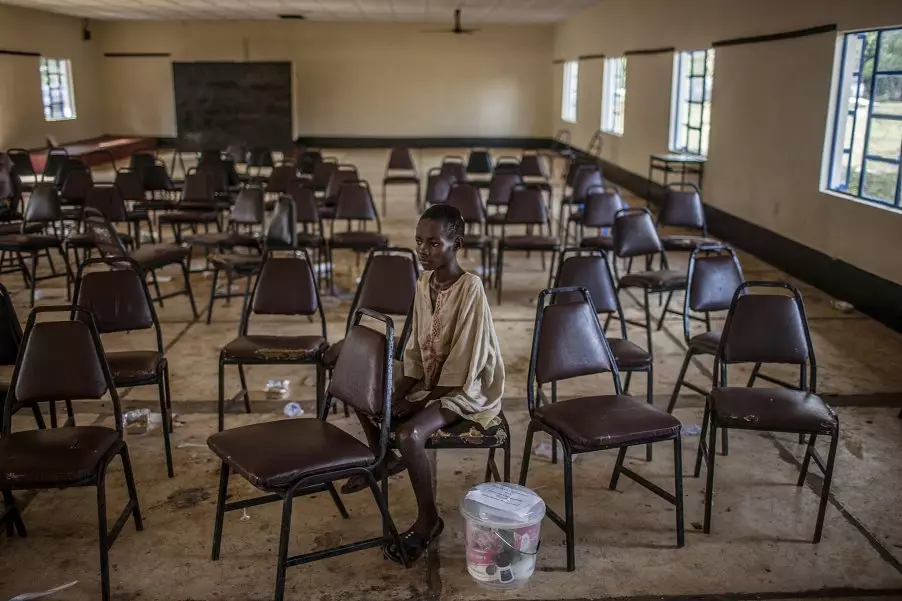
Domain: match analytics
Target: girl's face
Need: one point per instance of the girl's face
(434, 249)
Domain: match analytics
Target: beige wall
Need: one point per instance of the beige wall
(350, 79)
(769, 110)
(22, 121)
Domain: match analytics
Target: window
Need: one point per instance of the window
(691, 115)
(613, 95)
(866, 148)
(56, 89)
(571, 87)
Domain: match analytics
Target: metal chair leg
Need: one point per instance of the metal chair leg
(615, 475)
(709, 488)
(524, 464)
(678, 490)
(220, 510)
(825, 487)
(568, 510)
(213, 279)
(221, 404)
(650, 399)
(165, 413)
(243, 380)
(188, 291)
(102, 541)
(282, 557)
(679, 383)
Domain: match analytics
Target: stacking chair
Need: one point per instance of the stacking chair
(119, 301)
(43, 208)
(466, 199)
(160, 185)
(197, 206)
(259, 158)
(307, 161)
(587, 179)
(454, 166)
(635, 236)
(507, 164)
(281, 179)
(108, 201)
(713, 277)
(341, 175)
(76, 186)
(286, 286)
(532, 169)
(769, 326)
(355, 203)
(288, 458)
(131, 187)
(479, 167)
(311, 234)
(55, 162)
(438, 187)
(527, 208)
(21, 159)
(322, 173)
(561, 147)
(599, 212)
(568, 342)
(246, 215)
(141, 160)
(149, 258)
(500, 190)
(400, 170)
(683, 208)
(76, 456)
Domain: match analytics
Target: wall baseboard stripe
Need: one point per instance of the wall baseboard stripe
(419, 142)
(648, 51)
(589, 57)
(18, 52)
(136, 54)
(774, 37)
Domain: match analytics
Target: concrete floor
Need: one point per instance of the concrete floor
(759, 547)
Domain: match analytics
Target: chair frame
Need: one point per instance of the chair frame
(534, 397)
(12, 516)
(807, 383)
(322, 482)
(414, 179)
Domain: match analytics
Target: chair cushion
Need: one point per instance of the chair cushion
(55, 456)
(600, 242)
(664, 279)
(130, 367)
(87, 240)
(401, 179)
(529, 243)
(602, 421)
(629, 355)
(772, 409)
(274, 348)
(224, 240)
(189, 217)
(26, 242)
(310, 240)
(275, 454)
(359, 240)
(326, 212)
(154, 256)
(685, 243)
(137, 215)
(16, 228)
(705, 344)
(476, 241)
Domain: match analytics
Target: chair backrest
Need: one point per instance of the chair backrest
(306, 208)
(68, 349)
(588, 269)
(43, 204)
(103, 234)
(501, 187)
(713, 277)
(586, 180)
(249, 207)
(7, 183)
(635, 234)
(342, 175)
(355, 201)
(156, 177)
(479, 161)
(282, 233)
(562, 138)
(21, 159)
(56, 160)
(507, 164)
(362, 377)
(438, 186)
(455, 167)
(388, 284)
(466, 199)
(281, 178)
(141, 161)
(400, 160)
(601, 207)
(77, 184)
(683, 207)
(576, 166)
(527, 207)
(568, 342)
(766, 328)
(217, 173)
(285, 286)
(117, 298)
(65, 165)
(198, 187)
(108, 200)
(532, 165)
(130, 184)
(10, 329)
(260, 156)
(320, 168)
(238, 152)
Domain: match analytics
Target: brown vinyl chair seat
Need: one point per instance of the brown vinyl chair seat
(359, 240)
(665, 279)
(196, 216)
(530, 242)
(155, 256)
(679, 243)
(537, 181)
(477, 241)
(273, 348)
(330, 357)
(224, 240)
(598, 242)
(401, 179)
(326, 212)
(603, 421)
(87, 240)
(274, 455)
(9, 229)
(130, 367)
(26, 242)
(307, 240)
(55, 456)
(496, 218)
(629, 356)
(705, 344)
(236, 262)
(772, 409)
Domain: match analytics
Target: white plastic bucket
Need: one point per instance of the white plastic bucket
(503, 527)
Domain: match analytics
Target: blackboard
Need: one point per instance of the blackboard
(218, 104)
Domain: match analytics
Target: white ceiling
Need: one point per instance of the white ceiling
(475, 12)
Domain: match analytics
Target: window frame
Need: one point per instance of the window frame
(837, 150)
(613, 96)
(570, 92)
(680, 129)
(57, 98)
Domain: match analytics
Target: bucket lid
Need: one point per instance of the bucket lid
(502, 505)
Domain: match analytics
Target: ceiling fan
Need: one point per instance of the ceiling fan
(457, 29)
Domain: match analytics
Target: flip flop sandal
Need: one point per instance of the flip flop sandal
(358, 483)
(414, 545)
